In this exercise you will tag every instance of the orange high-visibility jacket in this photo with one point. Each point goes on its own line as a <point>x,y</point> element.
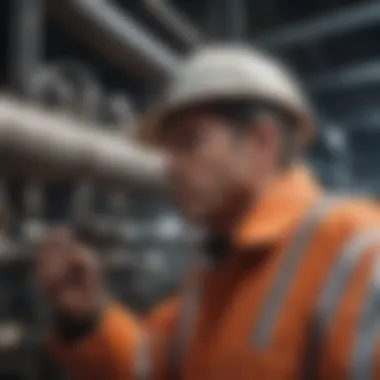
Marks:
<point>309,308</point>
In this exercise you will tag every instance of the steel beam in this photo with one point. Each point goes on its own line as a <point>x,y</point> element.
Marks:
<point>367,121</point>
<point>120,25</point>
<point>59,147</point>
<point>351,77</point>
<point>119,37</point>
<point>338,23</point>
<point>26,43</point>
<point>172,20</point>
<point>235,19</point>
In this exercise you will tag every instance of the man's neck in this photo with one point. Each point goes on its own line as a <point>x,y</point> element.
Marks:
<point>240,205</point>
<point>226,222</point>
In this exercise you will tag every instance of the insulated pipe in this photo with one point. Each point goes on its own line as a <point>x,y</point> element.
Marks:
<point>172,20</point>
<point>340,22</point>
<point>59,147</point>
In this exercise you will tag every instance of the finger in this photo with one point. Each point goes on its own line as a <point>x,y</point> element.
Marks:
<point>52,262</point>
<point>51,273</point>
<point>60,236</point>
<point>84,265</point>
<point>53,250</point>
<point>75,301</point>
<point>81,282</point>
<point>83,256</point>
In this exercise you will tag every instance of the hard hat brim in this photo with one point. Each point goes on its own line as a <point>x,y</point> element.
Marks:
<point>149,128</point>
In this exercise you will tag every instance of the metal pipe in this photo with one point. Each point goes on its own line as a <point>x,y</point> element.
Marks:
<point>26,43</point>
<point>340,22</point>
<point>350,77</point>
<point>234,19</point>
<point>211,22</point>
<point>367,122</point>
<point>59,147</point>
<point>171,19</point>
<point>336,140</point>
<point>87,90</point>
<point>135,41</point>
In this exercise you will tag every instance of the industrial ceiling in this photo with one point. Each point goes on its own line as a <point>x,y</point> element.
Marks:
<point>332,45</point>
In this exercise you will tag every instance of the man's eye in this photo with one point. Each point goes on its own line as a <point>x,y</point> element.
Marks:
<point>187,140</point>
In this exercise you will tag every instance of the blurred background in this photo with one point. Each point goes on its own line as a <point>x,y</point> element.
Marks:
<point>76,74</point>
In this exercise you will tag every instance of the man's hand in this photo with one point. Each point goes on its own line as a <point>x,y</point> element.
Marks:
<point>68,273</point>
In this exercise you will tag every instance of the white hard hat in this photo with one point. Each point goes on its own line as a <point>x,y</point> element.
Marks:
<point>223,73</point>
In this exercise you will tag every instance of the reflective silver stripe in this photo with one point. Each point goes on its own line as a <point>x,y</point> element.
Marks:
<point>189,313</point>
<point>276,297</point>
<point>342,271</point>
<point>187,320</point>
<point>143,360</point>
<point>368,331</point>
<point>339,277</point>
<point>192,297</point>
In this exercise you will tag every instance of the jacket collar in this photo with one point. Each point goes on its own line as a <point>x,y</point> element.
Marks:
<point>279,207</point>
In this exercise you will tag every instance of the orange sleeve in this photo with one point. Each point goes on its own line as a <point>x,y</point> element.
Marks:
<point>350,326</point>
<point>113,351</point>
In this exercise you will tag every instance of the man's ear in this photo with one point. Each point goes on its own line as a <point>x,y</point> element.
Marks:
<point>266,136</point>
<point>266,132</point>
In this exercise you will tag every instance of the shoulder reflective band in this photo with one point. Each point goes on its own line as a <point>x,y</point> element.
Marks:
<point>143,360</point>
<point>187,319</point>
<point>275,299</point>
<point>365,352</point>
<point>335,287</point>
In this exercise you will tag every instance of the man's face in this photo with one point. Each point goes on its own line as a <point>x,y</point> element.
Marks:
<point>210,164</point>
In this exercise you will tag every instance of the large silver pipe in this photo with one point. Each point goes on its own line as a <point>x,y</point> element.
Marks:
<point>173,21</point>
<point>136,42</point>
<point>338,23</point>
<point>53,146</point>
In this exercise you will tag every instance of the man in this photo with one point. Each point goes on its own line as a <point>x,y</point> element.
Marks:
<point>286,287</point>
